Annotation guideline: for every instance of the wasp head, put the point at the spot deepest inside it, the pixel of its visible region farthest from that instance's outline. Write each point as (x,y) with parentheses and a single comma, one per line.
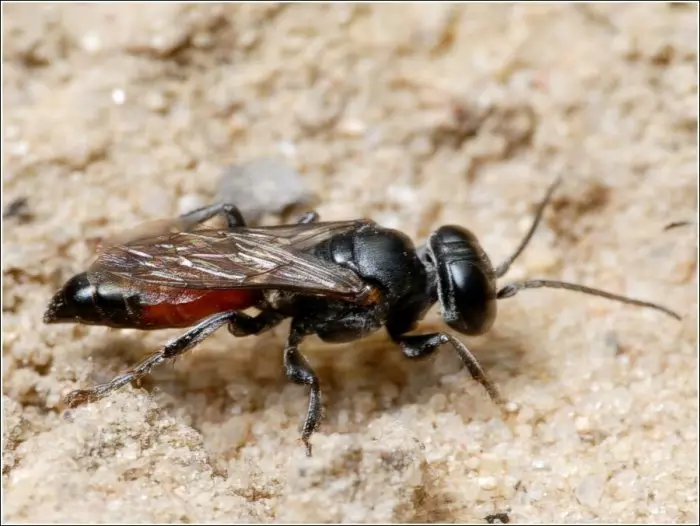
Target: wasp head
(466,281)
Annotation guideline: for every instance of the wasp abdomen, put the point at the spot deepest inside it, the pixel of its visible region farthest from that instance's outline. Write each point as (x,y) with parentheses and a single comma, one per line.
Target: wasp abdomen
(91,299)
(171,308)
(86,299)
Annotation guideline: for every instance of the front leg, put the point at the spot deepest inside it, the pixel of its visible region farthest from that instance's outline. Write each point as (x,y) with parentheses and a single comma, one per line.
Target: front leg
(300,372)
(421,346)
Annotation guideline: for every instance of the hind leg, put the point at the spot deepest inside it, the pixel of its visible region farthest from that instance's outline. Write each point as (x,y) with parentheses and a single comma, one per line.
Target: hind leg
(183,223)
(171,350)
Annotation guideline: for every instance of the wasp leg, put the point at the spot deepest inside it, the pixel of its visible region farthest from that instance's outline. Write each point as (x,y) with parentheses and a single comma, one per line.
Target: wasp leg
(233,216)
(422,346)
(308,217)
(243,325)
(172,349)
(502,269)
(181,223)
(299,371)
(191,219)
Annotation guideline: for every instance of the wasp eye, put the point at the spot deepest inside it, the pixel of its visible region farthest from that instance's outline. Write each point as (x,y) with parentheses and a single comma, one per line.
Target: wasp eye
(466,280)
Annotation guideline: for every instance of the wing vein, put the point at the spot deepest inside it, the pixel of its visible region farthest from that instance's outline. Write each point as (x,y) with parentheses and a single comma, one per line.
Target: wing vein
(278,257)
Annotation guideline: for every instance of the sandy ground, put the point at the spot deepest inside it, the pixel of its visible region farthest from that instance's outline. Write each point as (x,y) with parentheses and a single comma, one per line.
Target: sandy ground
(415,116)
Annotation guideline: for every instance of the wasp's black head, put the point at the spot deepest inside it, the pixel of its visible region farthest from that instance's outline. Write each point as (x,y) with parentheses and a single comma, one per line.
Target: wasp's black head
(466,281)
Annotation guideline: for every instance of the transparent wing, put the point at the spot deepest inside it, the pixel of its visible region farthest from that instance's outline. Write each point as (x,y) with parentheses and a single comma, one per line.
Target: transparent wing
(274,257)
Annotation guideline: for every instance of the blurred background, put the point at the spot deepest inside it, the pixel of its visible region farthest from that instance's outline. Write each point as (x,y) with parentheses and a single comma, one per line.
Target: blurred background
(414,115)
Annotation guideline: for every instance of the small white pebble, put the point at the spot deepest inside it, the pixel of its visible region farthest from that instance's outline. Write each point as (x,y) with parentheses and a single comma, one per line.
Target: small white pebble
(401,194)
(118,96)
(158,41)
(524,224)
(434,456)
(488,483)
(247,39)
(156,101)
(511,407)
(91,42)
(352,127)
(18,149)
(583,424)
(287,148)
(539,464)
(623,359)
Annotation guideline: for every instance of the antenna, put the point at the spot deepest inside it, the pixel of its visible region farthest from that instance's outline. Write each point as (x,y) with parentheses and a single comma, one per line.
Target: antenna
(511,290)
(505,266)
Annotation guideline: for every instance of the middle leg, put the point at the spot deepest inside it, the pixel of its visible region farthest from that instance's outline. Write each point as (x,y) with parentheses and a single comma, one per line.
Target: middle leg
(241,324)
(300,372)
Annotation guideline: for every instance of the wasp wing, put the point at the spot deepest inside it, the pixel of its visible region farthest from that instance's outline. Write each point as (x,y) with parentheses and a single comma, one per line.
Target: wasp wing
(273,257)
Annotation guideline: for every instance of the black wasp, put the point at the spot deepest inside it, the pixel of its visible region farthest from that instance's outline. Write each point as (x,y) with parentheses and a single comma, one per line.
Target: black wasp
(339,280)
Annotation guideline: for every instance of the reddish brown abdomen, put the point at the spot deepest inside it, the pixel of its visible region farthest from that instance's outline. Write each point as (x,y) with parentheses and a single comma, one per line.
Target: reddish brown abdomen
(164,308)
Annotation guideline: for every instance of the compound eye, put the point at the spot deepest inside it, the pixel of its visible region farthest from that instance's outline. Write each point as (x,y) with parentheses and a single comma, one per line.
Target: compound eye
(465,280)
(475,298)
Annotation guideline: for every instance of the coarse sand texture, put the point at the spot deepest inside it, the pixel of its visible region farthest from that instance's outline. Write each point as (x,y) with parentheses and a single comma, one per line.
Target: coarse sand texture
(416,116)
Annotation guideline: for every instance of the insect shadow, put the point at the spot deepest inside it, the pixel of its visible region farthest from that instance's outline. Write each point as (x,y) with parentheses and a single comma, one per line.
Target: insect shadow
(249,377)
(252,369)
